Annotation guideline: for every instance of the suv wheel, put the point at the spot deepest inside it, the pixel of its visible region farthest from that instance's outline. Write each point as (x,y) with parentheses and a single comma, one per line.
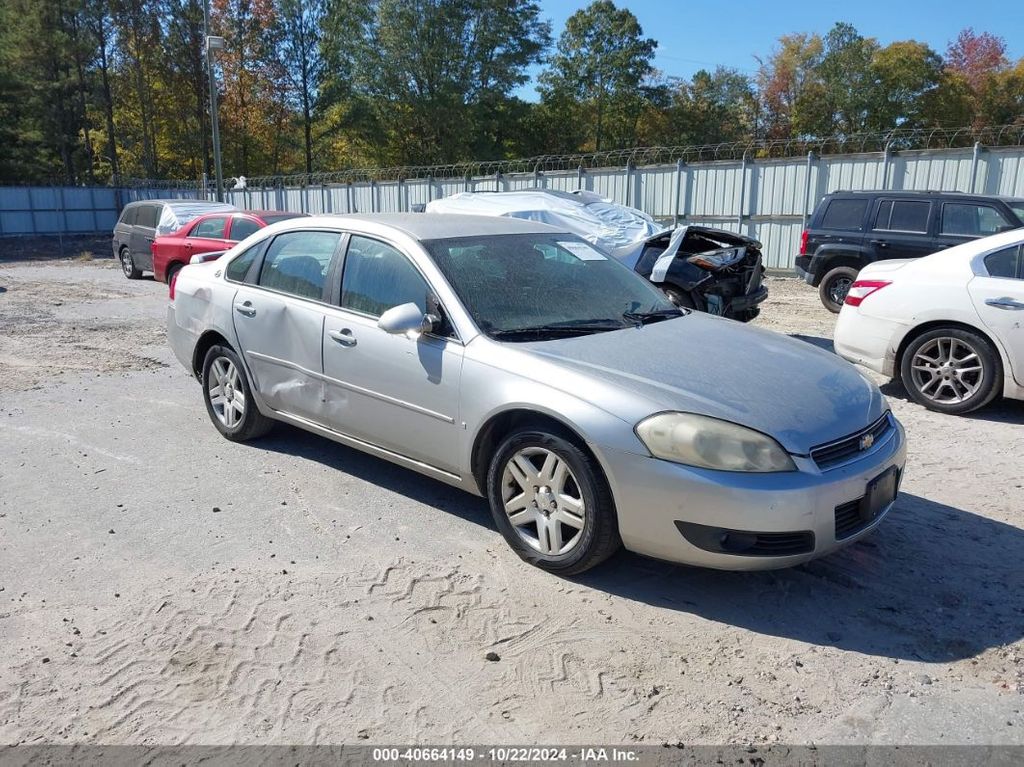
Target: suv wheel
(834,287)
(551,502)
(951,370)
(128,265)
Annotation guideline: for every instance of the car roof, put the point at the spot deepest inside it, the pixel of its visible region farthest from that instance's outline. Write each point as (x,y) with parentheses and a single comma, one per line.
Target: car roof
(264,213)
(180,201)
(427,226)
(920,193)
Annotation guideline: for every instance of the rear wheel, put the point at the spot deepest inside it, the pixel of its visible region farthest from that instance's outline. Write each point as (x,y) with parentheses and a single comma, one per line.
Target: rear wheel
(551,502)
(834,287)
(172,269)
(128,265)
(951,370)
(229,399)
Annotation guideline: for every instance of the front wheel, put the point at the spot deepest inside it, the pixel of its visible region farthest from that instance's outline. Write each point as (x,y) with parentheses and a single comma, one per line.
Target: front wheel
(229,399)
(128,265)
(951,370)
(834,287)
(551,502)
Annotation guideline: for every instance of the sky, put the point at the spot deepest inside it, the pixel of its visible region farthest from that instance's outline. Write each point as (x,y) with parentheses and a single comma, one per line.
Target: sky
(702,35)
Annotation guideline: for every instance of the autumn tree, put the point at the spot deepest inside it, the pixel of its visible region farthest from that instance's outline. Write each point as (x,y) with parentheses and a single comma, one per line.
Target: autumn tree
(790,86)
(598,73)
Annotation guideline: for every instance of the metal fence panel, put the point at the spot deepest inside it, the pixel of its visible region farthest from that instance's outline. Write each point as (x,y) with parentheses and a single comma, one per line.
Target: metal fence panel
(769,199)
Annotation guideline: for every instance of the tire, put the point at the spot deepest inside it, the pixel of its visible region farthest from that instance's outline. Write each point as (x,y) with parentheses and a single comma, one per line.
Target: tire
(679,298)
(568,525)
(223,377)
(971,381)
(172,269)
(834,287)
(128,265)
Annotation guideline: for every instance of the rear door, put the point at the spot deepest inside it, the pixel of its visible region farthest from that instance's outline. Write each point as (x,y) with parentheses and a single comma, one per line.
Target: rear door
(279,320)
(143,234)
(243,226)
(901,228)
(964,220)
(840,226)
(999,300)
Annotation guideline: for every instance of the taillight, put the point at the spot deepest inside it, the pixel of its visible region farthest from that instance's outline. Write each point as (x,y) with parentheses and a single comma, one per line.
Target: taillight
(861,289)
(803,243)
(174,281)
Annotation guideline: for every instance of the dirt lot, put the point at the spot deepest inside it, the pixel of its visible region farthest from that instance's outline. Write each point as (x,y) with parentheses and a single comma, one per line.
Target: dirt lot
(159,584)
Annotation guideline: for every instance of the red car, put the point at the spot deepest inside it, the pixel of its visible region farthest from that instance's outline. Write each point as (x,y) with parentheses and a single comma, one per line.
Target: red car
(212,232)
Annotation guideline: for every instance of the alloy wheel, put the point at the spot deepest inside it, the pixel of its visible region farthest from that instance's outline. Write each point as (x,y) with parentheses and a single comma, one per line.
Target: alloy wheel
(227,396)
(543,501)
(947,370)
(127,265)
(839,288)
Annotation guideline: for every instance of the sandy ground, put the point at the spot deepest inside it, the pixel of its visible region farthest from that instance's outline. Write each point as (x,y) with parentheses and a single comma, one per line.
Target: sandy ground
(159,584)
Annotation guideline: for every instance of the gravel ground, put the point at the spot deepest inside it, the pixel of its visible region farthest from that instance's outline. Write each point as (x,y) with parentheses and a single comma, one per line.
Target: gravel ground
(159,584)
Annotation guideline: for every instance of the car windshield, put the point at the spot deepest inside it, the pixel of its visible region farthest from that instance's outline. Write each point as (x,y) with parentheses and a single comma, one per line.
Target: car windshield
(521,287)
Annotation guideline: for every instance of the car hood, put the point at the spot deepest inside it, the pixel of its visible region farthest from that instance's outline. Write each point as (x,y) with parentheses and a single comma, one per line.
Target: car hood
(801,395)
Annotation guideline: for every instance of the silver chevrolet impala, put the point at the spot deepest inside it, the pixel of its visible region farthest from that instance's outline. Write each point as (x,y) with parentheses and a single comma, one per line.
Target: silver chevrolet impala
(520,363)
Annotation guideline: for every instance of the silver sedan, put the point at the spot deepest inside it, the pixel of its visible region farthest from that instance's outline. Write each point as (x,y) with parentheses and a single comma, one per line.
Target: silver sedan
(520,363)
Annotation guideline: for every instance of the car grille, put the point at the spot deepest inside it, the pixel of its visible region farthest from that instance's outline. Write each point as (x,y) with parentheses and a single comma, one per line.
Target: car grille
(848,520)
(781,544)
(722,540)
(834,453)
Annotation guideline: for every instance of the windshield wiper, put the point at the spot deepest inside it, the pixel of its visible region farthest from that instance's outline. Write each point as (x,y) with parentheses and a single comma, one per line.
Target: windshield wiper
(654,316)
(568,328)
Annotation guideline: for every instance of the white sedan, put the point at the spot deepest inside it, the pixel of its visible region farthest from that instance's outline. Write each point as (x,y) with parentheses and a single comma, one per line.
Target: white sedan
(950,325)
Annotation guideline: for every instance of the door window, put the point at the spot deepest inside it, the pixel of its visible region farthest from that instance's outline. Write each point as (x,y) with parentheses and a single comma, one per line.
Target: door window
(212,228)
(377,277)
(972,220)
(239,267)
(297,263)
(903,216)
(1007,262)
(128,215)
(147,216)
(242,228)
(844,214)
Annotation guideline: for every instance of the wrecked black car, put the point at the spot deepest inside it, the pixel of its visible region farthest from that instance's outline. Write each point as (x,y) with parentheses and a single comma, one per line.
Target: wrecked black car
(710,270)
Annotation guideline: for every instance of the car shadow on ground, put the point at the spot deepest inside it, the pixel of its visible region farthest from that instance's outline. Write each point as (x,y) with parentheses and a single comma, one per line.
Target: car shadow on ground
(999,411)
(933,583)
(819,341)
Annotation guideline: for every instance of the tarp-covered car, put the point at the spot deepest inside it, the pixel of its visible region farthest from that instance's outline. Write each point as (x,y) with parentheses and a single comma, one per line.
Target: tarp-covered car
(698,267)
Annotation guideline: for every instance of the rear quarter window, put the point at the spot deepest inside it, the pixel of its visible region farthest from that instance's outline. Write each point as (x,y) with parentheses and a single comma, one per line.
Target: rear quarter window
(844,214)
(1005,263)
(128,215)
(147,215)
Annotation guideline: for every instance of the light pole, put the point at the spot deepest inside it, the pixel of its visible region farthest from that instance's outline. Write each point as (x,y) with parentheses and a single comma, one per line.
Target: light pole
(213,43)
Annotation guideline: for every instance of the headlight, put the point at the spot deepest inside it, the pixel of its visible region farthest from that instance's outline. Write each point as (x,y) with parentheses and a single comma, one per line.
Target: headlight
(698,440)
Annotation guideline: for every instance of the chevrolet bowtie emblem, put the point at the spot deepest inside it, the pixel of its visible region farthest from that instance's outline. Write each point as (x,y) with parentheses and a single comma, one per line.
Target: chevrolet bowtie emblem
(867,441)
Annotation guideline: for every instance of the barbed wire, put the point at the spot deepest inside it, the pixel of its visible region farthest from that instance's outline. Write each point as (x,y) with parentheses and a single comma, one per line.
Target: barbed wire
(898,139)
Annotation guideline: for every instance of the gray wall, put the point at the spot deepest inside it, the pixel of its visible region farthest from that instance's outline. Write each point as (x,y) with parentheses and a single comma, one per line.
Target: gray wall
(766,199)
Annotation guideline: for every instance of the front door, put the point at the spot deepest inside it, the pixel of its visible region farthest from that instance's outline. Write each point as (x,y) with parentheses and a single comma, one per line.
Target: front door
(394,391)
(999,300)
(279,321)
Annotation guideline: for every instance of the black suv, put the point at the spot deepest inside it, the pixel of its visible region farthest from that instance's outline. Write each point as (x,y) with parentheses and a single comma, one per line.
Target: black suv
(852,229)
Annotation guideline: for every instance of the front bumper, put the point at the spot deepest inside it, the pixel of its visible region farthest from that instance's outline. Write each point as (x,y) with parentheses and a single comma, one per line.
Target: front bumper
(652,496)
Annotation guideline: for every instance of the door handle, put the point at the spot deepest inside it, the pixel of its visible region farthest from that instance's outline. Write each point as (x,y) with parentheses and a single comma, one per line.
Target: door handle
(1005,303)
(880,243)
(246,308)
(343,336)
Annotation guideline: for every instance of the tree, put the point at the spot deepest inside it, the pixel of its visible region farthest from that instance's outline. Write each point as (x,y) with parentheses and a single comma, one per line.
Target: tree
(976,57)
(906,73)
(300,23)
(850,92)
(713,108)
(790,85)
(428,74)
(601,64)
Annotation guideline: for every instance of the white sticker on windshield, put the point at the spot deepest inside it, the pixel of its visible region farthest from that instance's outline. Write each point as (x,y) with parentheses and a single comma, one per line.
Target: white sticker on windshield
(582,251)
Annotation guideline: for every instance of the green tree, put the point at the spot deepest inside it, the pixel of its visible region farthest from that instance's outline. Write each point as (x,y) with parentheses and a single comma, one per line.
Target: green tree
(790,86)
(598,72)
(850,91)
(300,24)
(713,108)
(906,72)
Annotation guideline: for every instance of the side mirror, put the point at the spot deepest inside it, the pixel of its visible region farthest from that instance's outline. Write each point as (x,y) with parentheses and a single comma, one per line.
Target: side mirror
(399,320)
